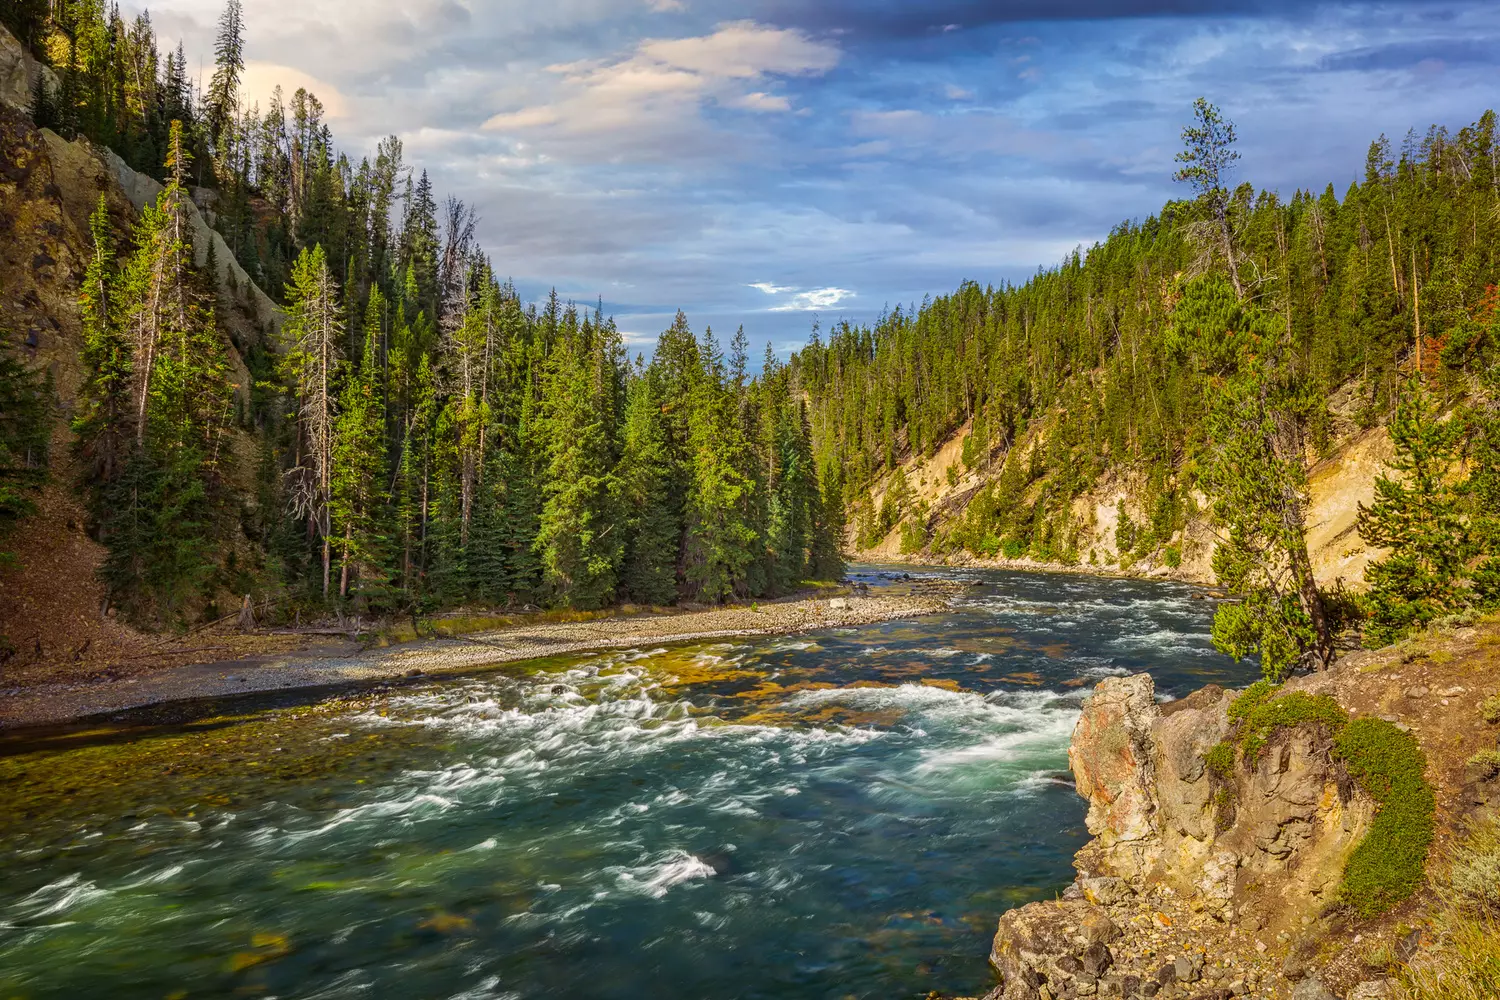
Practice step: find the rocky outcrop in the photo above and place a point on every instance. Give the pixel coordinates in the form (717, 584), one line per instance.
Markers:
(19, 73)
(1196, 884)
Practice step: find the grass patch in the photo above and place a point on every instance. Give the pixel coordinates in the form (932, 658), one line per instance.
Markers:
(1388, 864)
(1464, 962)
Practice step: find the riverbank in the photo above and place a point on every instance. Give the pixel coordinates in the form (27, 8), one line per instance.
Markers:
(336, 664)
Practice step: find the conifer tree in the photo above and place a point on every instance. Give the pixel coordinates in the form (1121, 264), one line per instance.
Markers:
(578, 540)
(1256, 481)
(649, 573)
(222, 100)
(357, 491)
(100, 427)
(1419, 518)
(314, 330)
(719, 546)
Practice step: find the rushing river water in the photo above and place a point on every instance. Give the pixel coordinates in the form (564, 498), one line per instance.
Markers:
(840, 814)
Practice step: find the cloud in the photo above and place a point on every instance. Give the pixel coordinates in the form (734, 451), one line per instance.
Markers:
(262, 78)
(956, 93)
(663, 87)
(811, 300)
(666, 6)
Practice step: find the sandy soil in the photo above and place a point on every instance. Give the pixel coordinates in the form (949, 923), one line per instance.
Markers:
(343, 664)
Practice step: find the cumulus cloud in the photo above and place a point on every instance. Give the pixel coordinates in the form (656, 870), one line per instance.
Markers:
(664, 85)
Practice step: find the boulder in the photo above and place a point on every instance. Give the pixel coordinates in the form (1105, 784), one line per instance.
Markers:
(1112, 760)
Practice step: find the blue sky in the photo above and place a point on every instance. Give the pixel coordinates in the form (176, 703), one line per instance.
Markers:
(767, 162)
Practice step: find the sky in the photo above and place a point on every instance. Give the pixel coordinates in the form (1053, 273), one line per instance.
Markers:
(776, 163)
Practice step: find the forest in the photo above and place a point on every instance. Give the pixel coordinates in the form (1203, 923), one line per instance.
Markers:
(1203, 355)
(414, 436)
(417, 436)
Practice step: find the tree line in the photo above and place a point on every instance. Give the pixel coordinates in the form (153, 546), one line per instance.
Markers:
(1210, 353)
(415, 436)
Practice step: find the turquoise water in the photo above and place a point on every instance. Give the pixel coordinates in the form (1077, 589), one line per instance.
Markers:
(841, 814)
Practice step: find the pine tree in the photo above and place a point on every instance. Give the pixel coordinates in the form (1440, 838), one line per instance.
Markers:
(314, 328)
(1419, 518)
(357, 492)
(649, 574)
(719, 548)
(578, 538)
(26, 406)
(101, 425)
(1256, 482)
(221, 103)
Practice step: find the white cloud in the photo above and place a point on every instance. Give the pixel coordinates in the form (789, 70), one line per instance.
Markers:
(957, 93)
(760, 101)
(658, 90)
(811, 300)
(666, 6)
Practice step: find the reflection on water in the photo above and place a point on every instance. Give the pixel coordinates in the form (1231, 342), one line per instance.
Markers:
(840, 814)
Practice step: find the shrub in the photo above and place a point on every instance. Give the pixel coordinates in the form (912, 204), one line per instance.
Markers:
(1475, 875)
(1388, 864)
(1491, 709)
(1463, 963)
(1389, 765)
(1250, 699)
(1173, 556)
(1288, 711)
(1489, 759)
(1220, 759)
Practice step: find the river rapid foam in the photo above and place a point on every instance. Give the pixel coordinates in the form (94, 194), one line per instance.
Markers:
(842, 814)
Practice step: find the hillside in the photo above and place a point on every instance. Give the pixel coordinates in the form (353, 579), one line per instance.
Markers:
(1338, 484)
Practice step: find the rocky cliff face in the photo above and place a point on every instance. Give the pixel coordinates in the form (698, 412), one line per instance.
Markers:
(1205, 884)
(1195, 883)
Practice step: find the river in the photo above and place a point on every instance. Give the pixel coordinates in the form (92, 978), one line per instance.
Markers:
(838, 814)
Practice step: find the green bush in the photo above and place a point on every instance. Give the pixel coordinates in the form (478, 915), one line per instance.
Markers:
(1250, 699)
(1220, 760)
(1389, 765)
(1387, 865)
(1487, 759)
(1173, 556)
(1295, 709)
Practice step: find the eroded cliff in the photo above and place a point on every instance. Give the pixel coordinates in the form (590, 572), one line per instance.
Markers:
(1216, 872)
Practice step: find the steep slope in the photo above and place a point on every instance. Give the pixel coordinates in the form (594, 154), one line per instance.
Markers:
(944, 488)
(53, 607)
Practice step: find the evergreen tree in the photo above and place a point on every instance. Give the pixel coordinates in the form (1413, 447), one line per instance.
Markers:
(649, 574)
(357, 490)
(26, 401)
(1419, 518)
(222, 100)
(314, 329)
(720, 544)
(578, 540)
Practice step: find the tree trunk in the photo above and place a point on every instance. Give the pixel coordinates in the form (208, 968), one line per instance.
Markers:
(1311, 600)
(344, 570)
